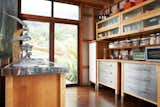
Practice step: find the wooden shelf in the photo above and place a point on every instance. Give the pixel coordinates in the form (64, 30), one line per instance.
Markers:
(132, 47)
(138, 6)
(132, 34)
(122, 23)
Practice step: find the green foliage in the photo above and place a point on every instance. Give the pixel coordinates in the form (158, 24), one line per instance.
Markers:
(66, 43)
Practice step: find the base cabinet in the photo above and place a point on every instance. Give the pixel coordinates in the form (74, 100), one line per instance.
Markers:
(140, 80)
(108, 74)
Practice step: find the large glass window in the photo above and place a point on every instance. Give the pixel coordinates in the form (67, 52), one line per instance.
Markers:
(39, 32)
(66, 11)
(36, 7)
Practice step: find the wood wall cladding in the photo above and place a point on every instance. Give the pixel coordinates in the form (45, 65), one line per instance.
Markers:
(35, 91)
(87, 35)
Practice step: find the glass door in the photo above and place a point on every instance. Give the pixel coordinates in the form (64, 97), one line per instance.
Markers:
(66, 50)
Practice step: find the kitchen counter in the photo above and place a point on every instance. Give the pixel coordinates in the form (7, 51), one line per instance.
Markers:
(20, 69)
(34, 83)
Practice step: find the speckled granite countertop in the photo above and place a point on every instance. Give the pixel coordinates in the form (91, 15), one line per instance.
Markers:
(34, 67)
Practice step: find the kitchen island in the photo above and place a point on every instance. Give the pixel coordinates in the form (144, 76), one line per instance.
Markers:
(41, 85)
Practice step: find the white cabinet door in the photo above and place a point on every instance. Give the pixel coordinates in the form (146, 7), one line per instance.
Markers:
(92, 62)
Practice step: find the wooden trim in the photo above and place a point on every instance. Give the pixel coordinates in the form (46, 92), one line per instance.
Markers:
(66, 21)
(62, 90)
(97, 76)
(118, 78)
(158, 85)
(9, 91)
(87, 41)
(128, 61)
(35, 18)
(93, 24)
(51, 50)
(107, 28)
(85, 67)
(47, 19)
(122, 80)
(81, 47)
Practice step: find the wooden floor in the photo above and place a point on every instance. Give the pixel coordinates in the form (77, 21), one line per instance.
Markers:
(87, 97)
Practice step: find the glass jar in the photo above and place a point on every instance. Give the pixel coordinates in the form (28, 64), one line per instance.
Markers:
(116, 44)
(111, 45)
(158, 38)
(125, 43)
(152, 39)
(135, 42)
(144, 41)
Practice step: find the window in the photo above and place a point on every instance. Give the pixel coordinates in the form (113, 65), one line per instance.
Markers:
(66, 11)
(36, 7)
(39, 32)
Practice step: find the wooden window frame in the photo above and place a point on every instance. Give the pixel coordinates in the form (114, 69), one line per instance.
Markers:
(52, 22)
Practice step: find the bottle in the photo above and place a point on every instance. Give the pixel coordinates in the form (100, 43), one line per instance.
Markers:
(157, 38)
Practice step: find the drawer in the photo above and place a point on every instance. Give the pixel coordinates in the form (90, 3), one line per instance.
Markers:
(110, 66)
(148, 94)
(141, 80)
(106, 78)
(141, 68)
(108, 82)
(138, 91)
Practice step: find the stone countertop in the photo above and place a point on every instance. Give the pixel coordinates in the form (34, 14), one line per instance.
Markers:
(32, 69)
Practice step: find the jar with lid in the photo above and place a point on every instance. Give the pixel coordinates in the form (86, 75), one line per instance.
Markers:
(116, 44)
(111, 45)
(125, 43)
(144, 41)
(135, 42)
(158, 38)
(152, 39)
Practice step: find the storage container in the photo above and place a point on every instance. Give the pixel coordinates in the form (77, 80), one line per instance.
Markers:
(144, 41)
(114, 44)
(153, 39)
(125, 43)
(158, 38)
(135, 42)
(128, 5)
(121, 4)
(138, 2)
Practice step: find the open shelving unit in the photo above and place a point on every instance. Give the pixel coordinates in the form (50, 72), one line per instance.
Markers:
(133, 23)
(121, 23)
